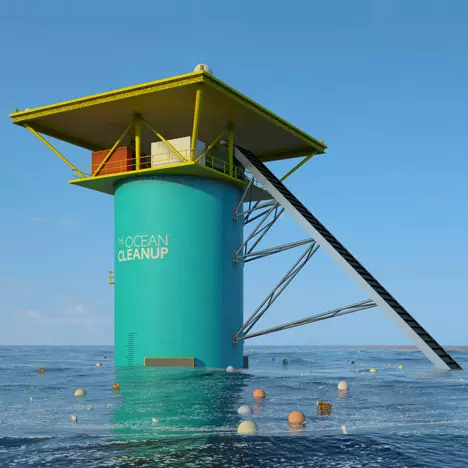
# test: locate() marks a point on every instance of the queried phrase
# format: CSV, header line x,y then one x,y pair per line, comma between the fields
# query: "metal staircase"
x,y
327,241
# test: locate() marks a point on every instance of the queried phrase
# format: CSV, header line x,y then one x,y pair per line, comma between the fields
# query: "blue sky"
x,y
383,83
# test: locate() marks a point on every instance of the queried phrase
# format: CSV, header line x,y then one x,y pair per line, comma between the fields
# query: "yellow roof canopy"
x,y
96,122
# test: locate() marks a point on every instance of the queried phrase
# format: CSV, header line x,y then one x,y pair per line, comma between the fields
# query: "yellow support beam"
x,y
112,150
196,121
296,167
56,151
163,139
137,123
231,149
213,143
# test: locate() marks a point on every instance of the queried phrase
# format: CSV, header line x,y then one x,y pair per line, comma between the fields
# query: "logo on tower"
x,y
143,247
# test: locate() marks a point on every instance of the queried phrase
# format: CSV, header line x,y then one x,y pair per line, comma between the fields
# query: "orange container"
x,y
121,161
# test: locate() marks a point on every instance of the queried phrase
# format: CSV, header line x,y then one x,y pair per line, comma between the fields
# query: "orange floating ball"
x,y
41,370
116,386
259,393
296,418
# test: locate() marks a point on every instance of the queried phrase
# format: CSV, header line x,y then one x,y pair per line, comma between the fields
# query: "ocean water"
x,y
411,417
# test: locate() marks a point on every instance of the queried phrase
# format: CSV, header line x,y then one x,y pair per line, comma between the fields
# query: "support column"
x,y
137,124
231,149
196,122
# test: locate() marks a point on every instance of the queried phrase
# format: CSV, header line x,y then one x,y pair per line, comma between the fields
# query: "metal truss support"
x,y
277,290
368,304
248,257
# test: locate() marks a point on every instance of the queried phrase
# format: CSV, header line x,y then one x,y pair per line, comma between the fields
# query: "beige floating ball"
x,y
155,420
98,364
400,367
80,392
229,369
244,410
259,393
74,418
247,427
343,386
373,370
296,418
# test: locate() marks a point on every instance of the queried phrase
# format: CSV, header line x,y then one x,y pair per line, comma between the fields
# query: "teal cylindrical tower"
x,y
178,292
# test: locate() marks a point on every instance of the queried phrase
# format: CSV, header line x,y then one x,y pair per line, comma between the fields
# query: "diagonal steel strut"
x,y
368,304
278,289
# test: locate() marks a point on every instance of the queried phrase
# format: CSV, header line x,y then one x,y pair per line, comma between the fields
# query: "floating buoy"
x,y
229,369
343,429
80,392
373,370
253,350
247,427
116,386
105,357
390,365
324,408
259,393
98,364
296,418
343,386
244,410
155,420
74,418
41,370
400,367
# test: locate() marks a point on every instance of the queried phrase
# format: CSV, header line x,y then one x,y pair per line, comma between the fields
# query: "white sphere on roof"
x,y
203,67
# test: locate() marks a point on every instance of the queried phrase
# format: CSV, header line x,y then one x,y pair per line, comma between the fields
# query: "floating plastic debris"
x,y
372,370
41,370
74,418
155,420
98,364
324,408
343,429
116,387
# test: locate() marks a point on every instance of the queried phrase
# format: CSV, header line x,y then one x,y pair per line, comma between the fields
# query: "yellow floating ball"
x,y
98,364
247,427
373,370
259,394
80,392
400,367
296,418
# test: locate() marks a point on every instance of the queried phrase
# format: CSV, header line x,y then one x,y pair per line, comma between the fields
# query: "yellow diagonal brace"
x,y
57,152
112,150
296,167
211,146
163,139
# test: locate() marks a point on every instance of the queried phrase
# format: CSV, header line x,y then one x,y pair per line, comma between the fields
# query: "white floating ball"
x,y
155,420
98,364
244,410
343,386
230,369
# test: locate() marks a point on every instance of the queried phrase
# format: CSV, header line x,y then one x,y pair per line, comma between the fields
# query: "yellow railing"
x,y
116,166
